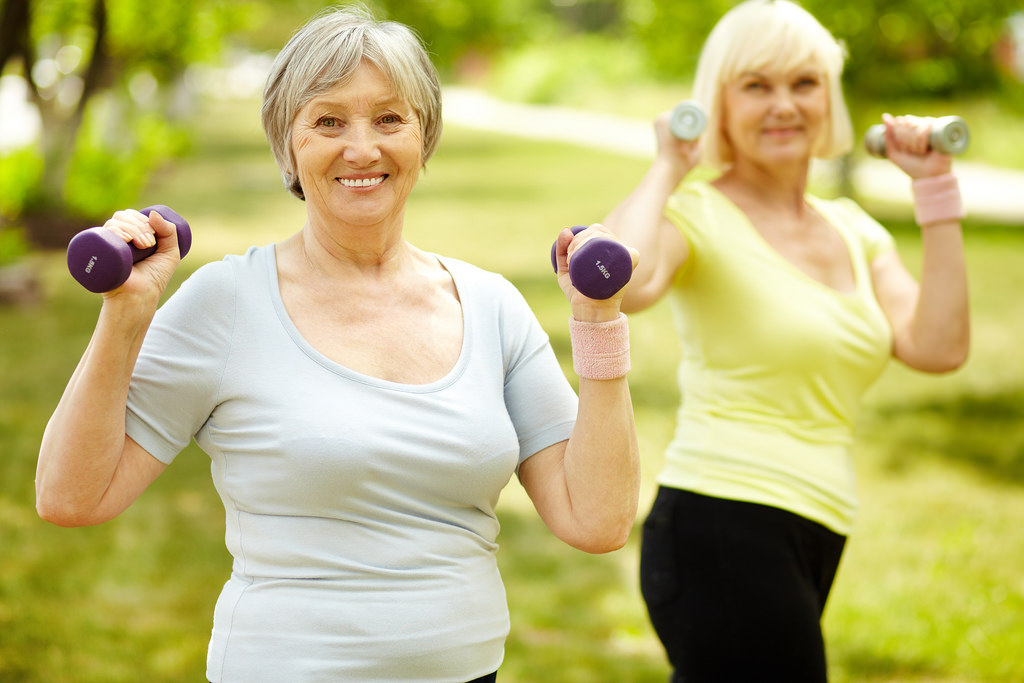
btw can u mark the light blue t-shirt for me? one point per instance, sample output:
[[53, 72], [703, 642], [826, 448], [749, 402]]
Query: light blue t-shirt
[[359, 512]]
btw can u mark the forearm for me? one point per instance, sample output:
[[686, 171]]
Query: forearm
[[600, 472], [940, 327], [85, 437], [602, 467], [636, 221]]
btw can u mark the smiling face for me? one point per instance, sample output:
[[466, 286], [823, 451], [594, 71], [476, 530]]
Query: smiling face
[[775, 116], [358, 151]]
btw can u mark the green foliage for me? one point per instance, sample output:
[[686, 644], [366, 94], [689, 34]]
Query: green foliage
[[582, 66], [455, 30], [898, 48], [673, 32], [13, 245], [918, 47], [110, 64], [161, 36], [562, 51], [106, 174], [20, 172]]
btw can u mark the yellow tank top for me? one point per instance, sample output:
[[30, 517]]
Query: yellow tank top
[[774, 363]]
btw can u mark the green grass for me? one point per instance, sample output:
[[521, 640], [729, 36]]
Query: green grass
[[930, 589]]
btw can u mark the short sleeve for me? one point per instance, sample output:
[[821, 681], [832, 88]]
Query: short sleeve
[[539, 399], [175, 382], [691, 209]]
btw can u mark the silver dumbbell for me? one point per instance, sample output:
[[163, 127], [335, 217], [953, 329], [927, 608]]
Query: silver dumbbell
[[687, 120], [949, 136]]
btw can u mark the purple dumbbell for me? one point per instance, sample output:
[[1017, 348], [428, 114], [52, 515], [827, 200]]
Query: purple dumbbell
[[599, 268], [102, 261]]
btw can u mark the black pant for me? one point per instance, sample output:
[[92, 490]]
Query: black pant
[[736, 590]]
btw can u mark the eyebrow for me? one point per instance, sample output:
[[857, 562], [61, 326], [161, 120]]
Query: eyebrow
[[329, 101], [801, 71]]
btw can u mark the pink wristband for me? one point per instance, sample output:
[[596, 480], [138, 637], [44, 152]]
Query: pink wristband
[[937, 200], [600, 350]]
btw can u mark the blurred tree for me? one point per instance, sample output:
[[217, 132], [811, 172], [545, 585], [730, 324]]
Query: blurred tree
[[898, 48], [101, 74], [918, 48], [466, 34]]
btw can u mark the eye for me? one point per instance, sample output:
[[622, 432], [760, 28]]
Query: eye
[[328, 122]]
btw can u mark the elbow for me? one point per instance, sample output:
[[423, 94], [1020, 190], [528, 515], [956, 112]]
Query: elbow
[[609, 539], [955, 362], [57, 510], [935, 359], [945, 363], [57, 514], [608, 545]]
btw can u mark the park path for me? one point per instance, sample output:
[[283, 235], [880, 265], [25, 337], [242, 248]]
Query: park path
[[990, 193]]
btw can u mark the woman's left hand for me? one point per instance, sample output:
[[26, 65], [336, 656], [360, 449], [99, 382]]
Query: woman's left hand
[[907, 146], [584, 308]]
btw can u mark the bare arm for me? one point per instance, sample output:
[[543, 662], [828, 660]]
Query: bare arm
[[930, 319], [89, 470], [640, 221], [586, 489]]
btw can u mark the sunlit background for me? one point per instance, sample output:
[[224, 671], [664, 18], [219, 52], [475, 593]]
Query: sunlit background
[[106, 104]]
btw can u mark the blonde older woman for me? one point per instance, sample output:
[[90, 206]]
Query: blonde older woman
[[788, 307], [363, 402]]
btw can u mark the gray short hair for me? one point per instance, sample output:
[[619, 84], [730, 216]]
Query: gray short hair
[[324, 53], [759, 33]]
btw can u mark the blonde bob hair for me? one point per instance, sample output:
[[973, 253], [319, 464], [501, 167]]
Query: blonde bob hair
[[769, 33], [324, 54]]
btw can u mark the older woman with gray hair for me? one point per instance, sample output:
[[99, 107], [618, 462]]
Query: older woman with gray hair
[[363, 402]]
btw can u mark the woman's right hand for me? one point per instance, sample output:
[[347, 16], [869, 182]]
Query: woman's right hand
[[680, 155], [151, 275]]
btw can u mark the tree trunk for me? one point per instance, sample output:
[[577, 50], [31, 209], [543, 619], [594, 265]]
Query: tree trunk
[[48, 219]]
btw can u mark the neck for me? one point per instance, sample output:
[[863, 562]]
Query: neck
[[781, 187], [376, 247]]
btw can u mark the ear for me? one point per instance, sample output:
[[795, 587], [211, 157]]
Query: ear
[[295, 187], [292, 184]]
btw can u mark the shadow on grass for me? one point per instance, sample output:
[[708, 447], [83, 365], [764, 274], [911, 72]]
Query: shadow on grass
[[985, 432], [872, 665]]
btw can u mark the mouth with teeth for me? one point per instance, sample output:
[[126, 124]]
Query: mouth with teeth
[[363, 182]]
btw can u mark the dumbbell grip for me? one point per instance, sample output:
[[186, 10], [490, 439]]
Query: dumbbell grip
[[599, 268], [687, 120], [949, 135], [101, 260]]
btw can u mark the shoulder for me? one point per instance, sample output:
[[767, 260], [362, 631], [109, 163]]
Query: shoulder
[[704, 217], [697, 208], [693, 198], [229, 272], [210, 296]]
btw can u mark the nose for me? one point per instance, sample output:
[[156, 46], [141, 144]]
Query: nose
[[362, 146], [783, 102]]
